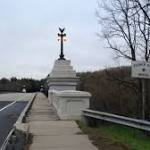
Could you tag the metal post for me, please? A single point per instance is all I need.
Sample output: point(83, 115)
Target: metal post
point(143, 98)
point(61, 35)
point(62, 47)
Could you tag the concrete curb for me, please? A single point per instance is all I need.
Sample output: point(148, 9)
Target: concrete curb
point(24, 112)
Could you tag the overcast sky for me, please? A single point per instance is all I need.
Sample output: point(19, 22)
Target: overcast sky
point(28, 37)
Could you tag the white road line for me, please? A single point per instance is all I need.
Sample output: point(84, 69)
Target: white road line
point(7, 106)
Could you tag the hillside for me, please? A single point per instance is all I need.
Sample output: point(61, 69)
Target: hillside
point(113, 90)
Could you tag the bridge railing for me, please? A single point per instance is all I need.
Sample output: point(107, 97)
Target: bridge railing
point(108, 117)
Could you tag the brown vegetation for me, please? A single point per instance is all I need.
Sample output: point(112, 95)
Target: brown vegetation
point(113, 90)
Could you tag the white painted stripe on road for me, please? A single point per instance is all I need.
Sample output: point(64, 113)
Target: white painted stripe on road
point(7, 106)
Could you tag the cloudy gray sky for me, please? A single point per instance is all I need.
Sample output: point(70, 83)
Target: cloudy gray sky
point(28, 36)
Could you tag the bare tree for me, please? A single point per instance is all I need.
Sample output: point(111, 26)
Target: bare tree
point(126, 27)
point(143, 7)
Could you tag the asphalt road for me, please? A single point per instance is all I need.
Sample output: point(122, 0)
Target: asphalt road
point(16, 96)
point(10, 114)
point(4, 103)
point(8, 117)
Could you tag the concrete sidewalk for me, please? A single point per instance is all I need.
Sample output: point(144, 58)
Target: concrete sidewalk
point(49, 133)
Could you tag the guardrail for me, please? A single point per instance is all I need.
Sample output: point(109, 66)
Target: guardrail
point(20, 120)
point(135, 123)
point(7, 139)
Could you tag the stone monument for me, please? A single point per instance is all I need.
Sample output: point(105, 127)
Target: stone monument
point(62, 76)
point(62, 82)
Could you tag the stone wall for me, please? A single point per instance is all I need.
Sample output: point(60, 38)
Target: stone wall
point(69, 103)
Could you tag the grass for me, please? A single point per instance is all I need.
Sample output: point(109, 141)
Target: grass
point(116, 137)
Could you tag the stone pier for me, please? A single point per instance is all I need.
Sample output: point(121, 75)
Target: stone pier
point(62, 93)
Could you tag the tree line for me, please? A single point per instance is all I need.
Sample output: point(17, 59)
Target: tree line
point(16, 85)
point(115, 91)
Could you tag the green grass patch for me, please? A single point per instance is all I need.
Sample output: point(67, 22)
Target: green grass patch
point(116, 137)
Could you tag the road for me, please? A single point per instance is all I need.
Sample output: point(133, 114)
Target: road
point(4, 103)
point(11, 105)
point(16, 96)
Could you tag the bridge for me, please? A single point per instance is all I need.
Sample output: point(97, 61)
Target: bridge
point(49, 123)
point(52, 133)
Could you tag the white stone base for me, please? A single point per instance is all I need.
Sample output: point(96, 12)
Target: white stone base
point(69, 104)
point(62, 76)
point(61, 84)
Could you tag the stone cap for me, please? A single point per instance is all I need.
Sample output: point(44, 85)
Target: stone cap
point(62, 62)
point(73, 93)
point(62, 68)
